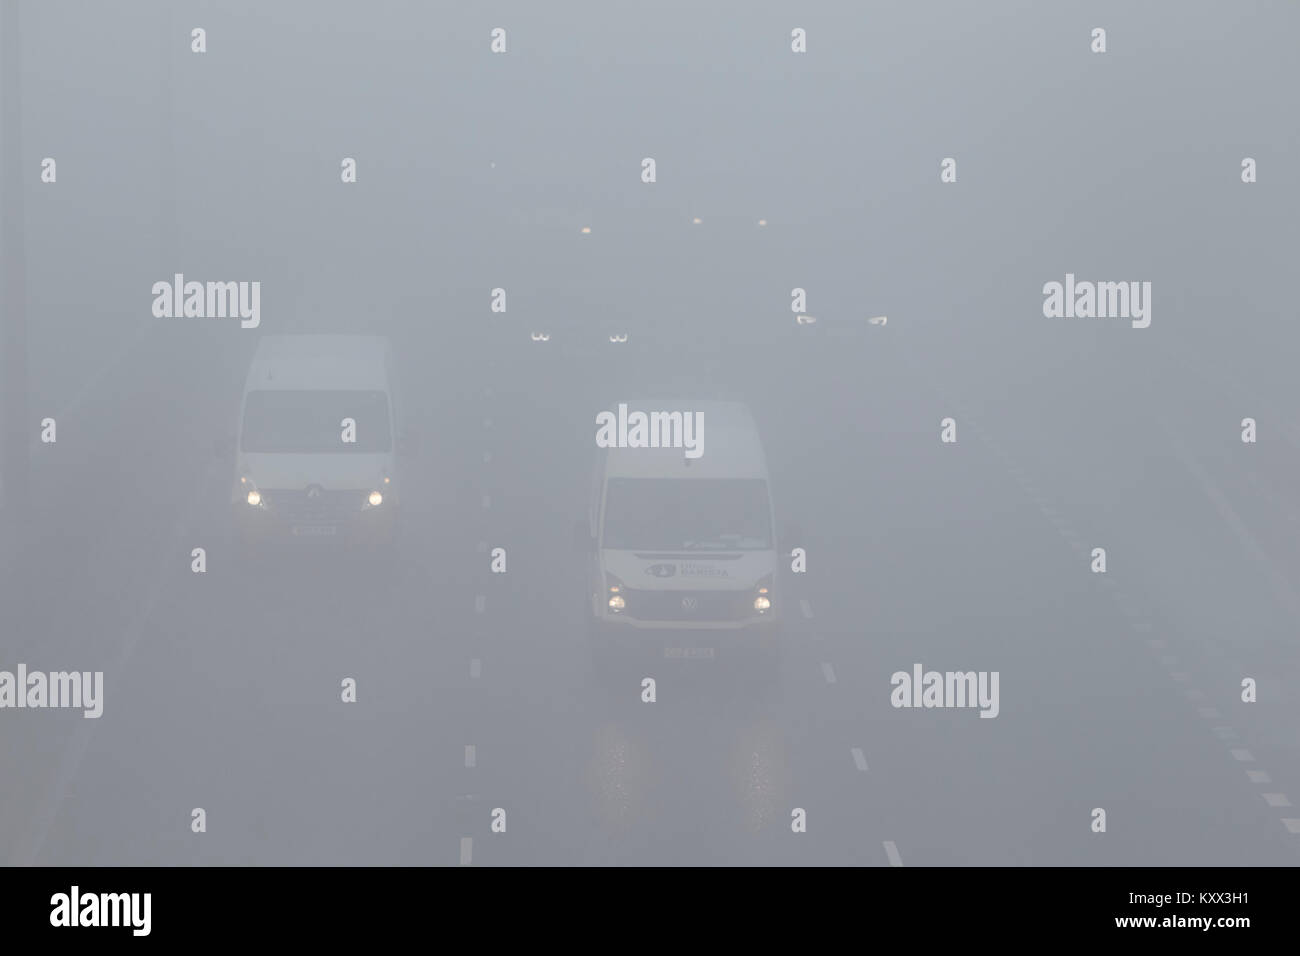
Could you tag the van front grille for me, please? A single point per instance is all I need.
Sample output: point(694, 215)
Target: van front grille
point(688, 605)
point(314, 506)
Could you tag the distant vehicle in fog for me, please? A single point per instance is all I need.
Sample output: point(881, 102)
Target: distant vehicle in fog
point(682, 551)
point(316, 450)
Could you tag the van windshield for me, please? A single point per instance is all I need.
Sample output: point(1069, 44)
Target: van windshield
point(687, 514)
point(293, 422)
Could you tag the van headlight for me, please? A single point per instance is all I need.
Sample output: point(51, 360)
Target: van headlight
point(376, 499)
point(615, 600)
point(255, 498)
point(763, 595)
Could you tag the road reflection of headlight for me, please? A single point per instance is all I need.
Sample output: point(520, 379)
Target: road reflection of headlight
point(617, 775)
point(254, 498)
point(376, 499)
point(759, 766)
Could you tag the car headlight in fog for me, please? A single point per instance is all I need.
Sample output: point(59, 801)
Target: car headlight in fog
point(763, 599)
point(375, 499)
point(254, 497)
point(762, 602)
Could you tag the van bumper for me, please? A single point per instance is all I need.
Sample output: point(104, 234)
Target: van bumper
point(676, 640)
point(261, 530)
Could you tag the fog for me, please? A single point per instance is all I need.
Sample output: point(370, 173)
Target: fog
point(329, 701)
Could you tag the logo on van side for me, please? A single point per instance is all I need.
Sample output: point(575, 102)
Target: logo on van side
point(662, 570)
point(653, 430)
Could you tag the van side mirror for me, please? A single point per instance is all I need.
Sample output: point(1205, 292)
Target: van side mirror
point(582, 539)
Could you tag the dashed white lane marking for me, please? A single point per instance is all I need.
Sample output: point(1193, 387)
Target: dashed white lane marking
point(805, 607)
point(476, 668)
point(891, 851)
point(1281, 586)
point(466, 850)
point(480, 602)
point(471, 755)
point(828, 672)
point(1168, 663)
point(859, 759)
point(487, 502)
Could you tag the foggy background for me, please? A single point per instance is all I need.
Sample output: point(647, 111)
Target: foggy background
point(475, 171)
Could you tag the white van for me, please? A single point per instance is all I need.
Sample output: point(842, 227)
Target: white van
point(316, 451)
point(682, 549)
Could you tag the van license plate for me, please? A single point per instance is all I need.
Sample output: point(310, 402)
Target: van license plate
point(313, 530)
point(689, 653)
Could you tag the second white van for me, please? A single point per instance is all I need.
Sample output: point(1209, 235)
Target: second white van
point(316, 450)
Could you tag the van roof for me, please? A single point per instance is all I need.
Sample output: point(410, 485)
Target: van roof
point(320, 362)
point(732, 448)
